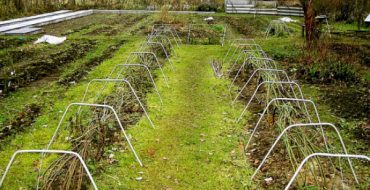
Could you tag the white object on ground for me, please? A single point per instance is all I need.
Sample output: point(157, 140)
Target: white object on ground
point(51, 39)
point(268, 180)
point(209, 19)
point(287, 19)
point(367, 18)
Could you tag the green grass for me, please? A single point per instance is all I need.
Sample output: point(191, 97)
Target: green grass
point(197, 144)
point(343, 26)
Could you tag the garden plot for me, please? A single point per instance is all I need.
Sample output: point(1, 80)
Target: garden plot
point(120, 98)
point(17, 62)
point(124, 107)
point(11, 42)
point(206, 34)
point(32, 69)
point(193, 30)
point(167, 30)
point(116, 25)
point(285, 111)
point(24, 66)
point(196, 143)
point(81, 70)
point(94, 25)
point(69, 72)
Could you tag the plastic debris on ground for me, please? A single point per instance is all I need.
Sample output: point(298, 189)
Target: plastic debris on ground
point(209, 19)
point(51, 40)
point(287, 19)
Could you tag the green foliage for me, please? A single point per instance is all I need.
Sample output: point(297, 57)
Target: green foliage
point(208, 7)
point(282, 49)
point(330, 72)
point(218, 28)
point(249, 26)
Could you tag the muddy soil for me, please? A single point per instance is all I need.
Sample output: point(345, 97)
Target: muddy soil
point(105, 31)
point(75, 25)
point(117, 25)
point(79, 73)
point(11, 57)
point(363, 35)
point(24, 72)
point(351, 103)
point(350, 52)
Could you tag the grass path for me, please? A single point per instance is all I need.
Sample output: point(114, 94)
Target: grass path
point(197, 144)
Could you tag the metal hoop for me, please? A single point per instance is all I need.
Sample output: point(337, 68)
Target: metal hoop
point(101, 106)
point(49, 152)
point(322, 155)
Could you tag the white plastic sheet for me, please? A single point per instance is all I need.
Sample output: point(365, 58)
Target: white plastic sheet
point(287, 19)
point(51, 39)
point(209, 19)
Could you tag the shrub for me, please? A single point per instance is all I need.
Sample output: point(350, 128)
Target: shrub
point(330, 72)
point(164, 15)
point(207, 7)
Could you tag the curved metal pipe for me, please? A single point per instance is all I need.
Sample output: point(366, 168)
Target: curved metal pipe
point(49, 152)
point(322, 155)
point(164, 50)
point(269, 82)
point(305, 125)
point(131, 88)
point(291, 100)
point(147, 69)
point(254, 73)
point(101, 106)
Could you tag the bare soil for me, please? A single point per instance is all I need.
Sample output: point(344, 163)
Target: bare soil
point(75, 25)
point(25, 70)
point(83, 70)
point(116, 25)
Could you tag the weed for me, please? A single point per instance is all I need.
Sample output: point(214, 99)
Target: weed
point(330, 72)
point(208, 7)
point(164, 15)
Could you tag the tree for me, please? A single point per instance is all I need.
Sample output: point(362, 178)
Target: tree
point(309, 22)
point(356, 9)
